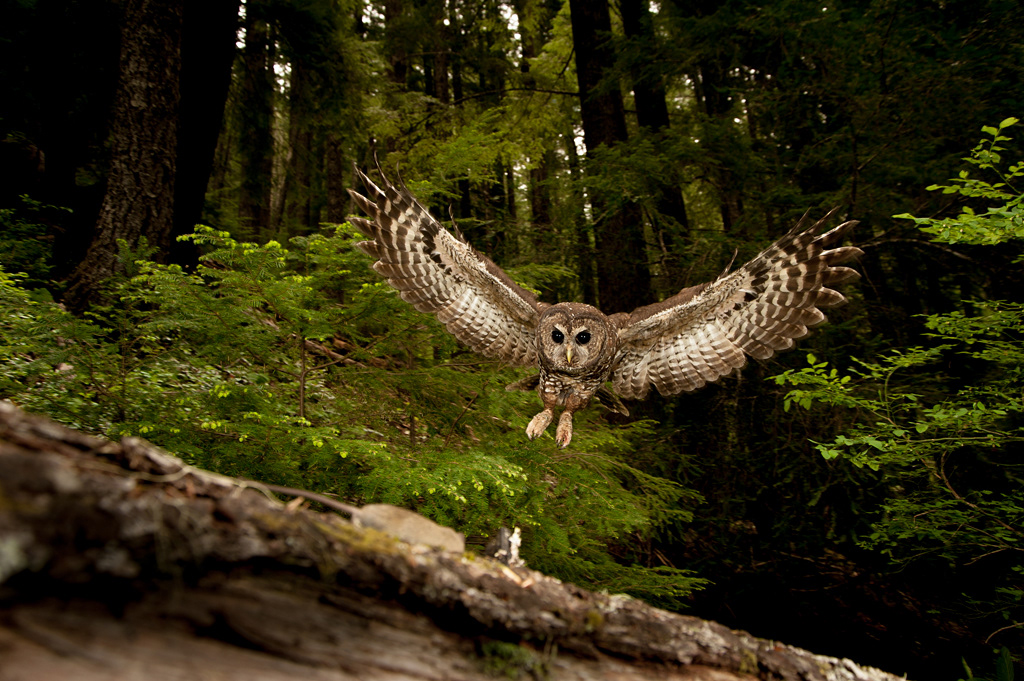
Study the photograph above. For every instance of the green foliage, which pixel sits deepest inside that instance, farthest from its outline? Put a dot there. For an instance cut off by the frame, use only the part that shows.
(998, 223)
(297, 365)
(25, 242)
(513, 661)
(1003, 668)
(946, 422)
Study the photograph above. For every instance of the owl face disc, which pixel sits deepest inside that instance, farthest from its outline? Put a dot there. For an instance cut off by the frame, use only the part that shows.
(573, 338)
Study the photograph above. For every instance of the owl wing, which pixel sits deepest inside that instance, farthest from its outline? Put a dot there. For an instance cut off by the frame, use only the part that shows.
(705, 332)
(440, 273)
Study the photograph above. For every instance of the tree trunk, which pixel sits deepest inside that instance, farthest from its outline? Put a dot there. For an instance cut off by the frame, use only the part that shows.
(207, 53)
(669, 219)
(296, 197)
(337, 166)
(712, 88)
(120, 562)
(624, 281)
(581, 234)
(535, 19)
(394, 42)
(139, 199)
(255, 116)
(648, 88)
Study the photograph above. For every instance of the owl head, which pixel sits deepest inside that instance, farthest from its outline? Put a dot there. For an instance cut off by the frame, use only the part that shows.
(574, 338)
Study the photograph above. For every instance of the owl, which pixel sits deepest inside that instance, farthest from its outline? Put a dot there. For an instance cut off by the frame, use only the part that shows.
(697, 336)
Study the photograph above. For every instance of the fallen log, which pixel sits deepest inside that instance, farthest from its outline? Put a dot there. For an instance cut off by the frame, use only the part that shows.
(118, 561)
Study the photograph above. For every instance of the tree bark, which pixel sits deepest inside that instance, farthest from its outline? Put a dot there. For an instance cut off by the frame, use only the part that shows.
(336, 169)
(624, 281)
(139, 199)
(207, 54)
(670, 221)
(648, 87)
(120, 562)
(255, 116)
(297, 196)
(394, 41)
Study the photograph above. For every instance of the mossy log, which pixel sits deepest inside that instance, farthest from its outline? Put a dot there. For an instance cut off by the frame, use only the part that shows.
(119, 562)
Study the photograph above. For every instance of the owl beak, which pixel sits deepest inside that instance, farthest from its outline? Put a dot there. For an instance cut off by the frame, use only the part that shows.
(568, 355)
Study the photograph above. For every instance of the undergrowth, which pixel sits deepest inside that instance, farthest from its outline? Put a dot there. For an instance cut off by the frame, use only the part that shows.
(299, 366)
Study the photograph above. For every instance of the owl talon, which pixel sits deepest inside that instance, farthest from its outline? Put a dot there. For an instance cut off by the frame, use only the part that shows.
(539, 424)
(563, 435)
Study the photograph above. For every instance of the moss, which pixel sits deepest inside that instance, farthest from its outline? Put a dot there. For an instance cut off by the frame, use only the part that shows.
(502, 659)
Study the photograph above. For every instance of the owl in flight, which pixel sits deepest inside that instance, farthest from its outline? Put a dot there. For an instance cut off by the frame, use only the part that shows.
(698, 335)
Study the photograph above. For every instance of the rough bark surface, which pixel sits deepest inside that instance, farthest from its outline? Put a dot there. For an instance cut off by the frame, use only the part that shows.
(119, 562)
(623, 278)
(139, 199)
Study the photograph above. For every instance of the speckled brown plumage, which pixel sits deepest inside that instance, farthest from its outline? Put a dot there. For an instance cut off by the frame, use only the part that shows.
(694, 337)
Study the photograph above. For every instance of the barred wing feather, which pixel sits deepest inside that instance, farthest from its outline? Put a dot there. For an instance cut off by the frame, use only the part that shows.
(440, 273)
(705, 332)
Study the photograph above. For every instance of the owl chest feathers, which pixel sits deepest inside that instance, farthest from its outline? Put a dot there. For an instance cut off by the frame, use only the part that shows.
(557, 389)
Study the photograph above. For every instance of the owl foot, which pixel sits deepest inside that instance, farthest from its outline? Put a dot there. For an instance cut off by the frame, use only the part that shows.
(539, 424)
(563, 435)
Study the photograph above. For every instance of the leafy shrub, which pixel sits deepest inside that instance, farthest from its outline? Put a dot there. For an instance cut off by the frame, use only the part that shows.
(950, 446)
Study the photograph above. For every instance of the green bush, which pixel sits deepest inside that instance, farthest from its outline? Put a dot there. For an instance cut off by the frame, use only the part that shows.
(949, 445)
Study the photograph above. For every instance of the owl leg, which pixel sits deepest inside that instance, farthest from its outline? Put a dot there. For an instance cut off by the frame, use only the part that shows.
(564, 432)
(539, 424)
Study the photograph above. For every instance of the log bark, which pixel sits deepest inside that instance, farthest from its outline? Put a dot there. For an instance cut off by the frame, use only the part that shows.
(117, 561)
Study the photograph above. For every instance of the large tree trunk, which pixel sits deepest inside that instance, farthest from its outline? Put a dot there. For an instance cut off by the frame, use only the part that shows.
(120, 562)
(624, 280)
(535, 19)
(139, 199)
(207, 53)
(670, 221)
(297, 195)
(336, 170)
(255, 116)
(394, 41)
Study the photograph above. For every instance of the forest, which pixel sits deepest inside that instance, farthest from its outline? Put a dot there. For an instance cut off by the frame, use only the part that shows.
(176, 264)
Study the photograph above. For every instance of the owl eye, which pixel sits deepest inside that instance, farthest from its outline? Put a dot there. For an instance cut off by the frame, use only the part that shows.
(557, 336)
(583, 337)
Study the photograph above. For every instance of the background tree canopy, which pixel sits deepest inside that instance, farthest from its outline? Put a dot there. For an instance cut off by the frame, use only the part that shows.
(861, 496)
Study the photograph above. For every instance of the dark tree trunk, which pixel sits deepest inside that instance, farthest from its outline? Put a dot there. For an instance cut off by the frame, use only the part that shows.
(624, 281)
(670, 220)
(207, 53)
(648, 88)
(337, 166)
(139, 199)
(540, 195)
(255, 118)
(457, 86)
(437, 51)
(581, 233)
(300, 136)
(295, 203)
(534, 25)
(713, 92)
(394, 43)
